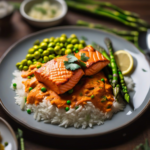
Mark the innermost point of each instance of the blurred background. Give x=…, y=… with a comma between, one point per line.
x=128, y=19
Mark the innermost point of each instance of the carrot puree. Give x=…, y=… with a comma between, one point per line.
x=88, y=89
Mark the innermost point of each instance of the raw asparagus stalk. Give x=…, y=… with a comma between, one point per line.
x=107, y=4
x=93, y=10
x=99, y=26
x=113, y=62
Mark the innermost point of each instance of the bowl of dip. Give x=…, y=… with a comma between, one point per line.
x=43, y=13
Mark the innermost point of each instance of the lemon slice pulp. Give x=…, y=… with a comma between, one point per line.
x=124, y=61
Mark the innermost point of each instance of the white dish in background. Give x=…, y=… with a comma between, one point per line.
x=8, y=135
x=27, y=4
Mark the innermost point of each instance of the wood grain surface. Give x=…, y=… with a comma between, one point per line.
x=123, y=139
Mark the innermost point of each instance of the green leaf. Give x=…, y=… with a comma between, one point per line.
x=71, y=66
x=84, y=57
x=143, y=146
x=82, y=64
x=144, y=70
x=40, y=9
x=71, y=58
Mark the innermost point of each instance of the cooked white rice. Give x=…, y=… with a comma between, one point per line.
x=82, y=117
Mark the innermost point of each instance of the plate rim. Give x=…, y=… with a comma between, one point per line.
x=62, y=135
x=11, y=130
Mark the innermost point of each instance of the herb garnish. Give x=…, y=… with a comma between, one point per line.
x=104, y=99
x=109, y=106
x=81, y=94
x=53, y=11
x=144, y=70
x=143, y=146
x=82, y=64
x=84, y=57
x=70, y=63
x=42, y=10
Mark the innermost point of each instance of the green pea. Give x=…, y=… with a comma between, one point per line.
x=40, y=60
x=43, y=89
x=58, y=56
x=14, y=85
x=102, y=80
x=64, y=35
x=37, y=55
x=24, y=62
x=29, y=77
x=76, y=45
x=73, y=36
x=20, y=67
x=28, y=111
x=68, y=51
x=34, y=60
x=68, y=102
x=57, y=44
x=51, y=39
x=37, y=42
x=46, y=59
x=29, y=62
x=35, y=47
x=69, y=40
x=63, y=51
x=57, y=50
x=70, y=46
x=65, y=44
x=75, y=49
x=61, y=45
x=67, y=108
x=29, y=56
x=46, y=53
x=40, y=50
x=51, y=50
x=56, y=40
x=31, y=51
x=74, y=41
x=82, y=42
x=46, y=40
x=18, y=64
x=92, y=96
x=62, y=39
x=80, y=46
x=52, y=44
x=51, y=57
x=25, y=68
x=43, y=45
x=38, y=66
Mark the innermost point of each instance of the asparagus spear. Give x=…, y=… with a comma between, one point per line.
x=20, y=137
x=107, y=4
x=113, y=30
x=123, y=86
x=113, y=62
x=93, y=10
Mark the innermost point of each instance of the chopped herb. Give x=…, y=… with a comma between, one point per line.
x=76, y=107
x=76, y=51
x=92, y=96
x=71, y=66
x=72, y=58
x=29, y=77
x=82, y=64
x=84, y=38
x=53, y=11
x=98, y=81
x=84, y=57
x=144, y=70
x=40, y=9
x=109, y=106
x=104, y=99
x=90, y=76
x=95, y=45
x=5, y=144
x=100, y=87
x=32, y=75
x=70, y=91
x=25, y=99
x=81, y=94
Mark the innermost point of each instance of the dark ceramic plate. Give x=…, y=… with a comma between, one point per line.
x=140, y=98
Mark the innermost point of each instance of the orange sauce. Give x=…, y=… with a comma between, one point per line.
x=88, y=89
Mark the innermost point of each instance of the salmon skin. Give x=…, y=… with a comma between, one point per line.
x=96, y=61
x=57, y=77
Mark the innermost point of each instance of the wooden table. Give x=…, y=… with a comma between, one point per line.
x=123, y=139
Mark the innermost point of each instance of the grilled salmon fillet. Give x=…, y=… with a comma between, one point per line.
x=57, y=77
x=96, y=60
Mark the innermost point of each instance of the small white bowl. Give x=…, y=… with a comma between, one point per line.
x=27, y=4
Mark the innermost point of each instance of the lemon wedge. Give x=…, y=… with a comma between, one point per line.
x=124, y=61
